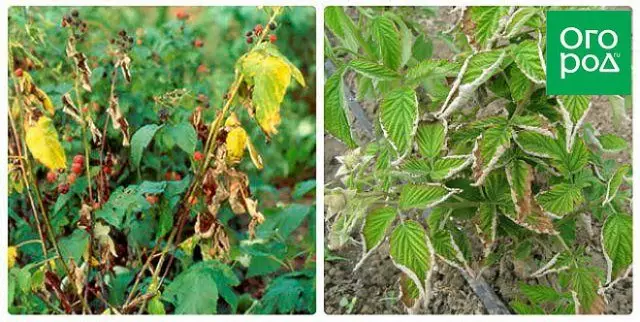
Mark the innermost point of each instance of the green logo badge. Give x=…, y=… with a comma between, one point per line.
x=588, y=52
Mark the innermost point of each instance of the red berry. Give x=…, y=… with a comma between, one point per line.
x=76, y=168
x=177, y=176
x=182, y=15
x=18, y=72
x=52, y=177
x=63, y=188
x=107, y=170
x=249, y=40
x=198, y=43
x=193, y=200
x=68, y=138
x=273, y=38
x=198, y=156
x=152, y=199
x=96, y=205
x=71, y=178
x=202, y=69
x=258, y=29
x=79, y=158
x=168, y=175
x=85, y=110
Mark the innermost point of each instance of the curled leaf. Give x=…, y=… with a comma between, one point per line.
x=119, y=122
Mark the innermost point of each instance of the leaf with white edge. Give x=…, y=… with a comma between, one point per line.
x=411, y=253
x=558, y=263
x=387, y=36
x=488, y=149
x=406, y=37
x=584, y=283
x=424, y=196
x=486, y=223
x=528, y=212
x=538, y=145
x=42, y=141
x=431, y=138
x=399, y=119
x=140, y=140
x=475, y=71
x=574, y=110
x=617, y=244
x=432, y=68
x=614, y=183
x=527, y=56
x=519, y=19
x=416, y=167
x=611, y=143
x=481, y=24
x=534, y=123
x=373, y=70
x=560, y=200
x=444, y=168
x=519, y=84
x=336, y=121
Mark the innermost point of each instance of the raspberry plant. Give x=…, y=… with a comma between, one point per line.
x=469, y=163
x=135, y=162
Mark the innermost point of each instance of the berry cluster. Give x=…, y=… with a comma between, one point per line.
x=257, y=32
x=123, y=41
x=77, y=25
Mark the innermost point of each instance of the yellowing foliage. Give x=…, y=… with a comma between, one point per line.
x=236, y=143
x=12, y=255
x=42, y=141
x=270, y=74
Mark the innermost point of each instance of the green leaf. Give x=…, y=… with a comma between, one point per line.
x=527, y=56
x=196, y=290
x=482, y=23
x=482, y=66
x=422, y=48
x=584, y=281
x=373, y=70
x=376, y=225
x=399, y=118
x=431, y=138
x=336, y=121
x=488, y=149
x=303, y=188
x=617, y=244
x=410, y=253
x=185, y=136
x=519, y=19
x=424, y=196
x=539, y=294
x=519, y=84
x=538, y=144
x=486, y=222
x=611, y=143
x=560, y=200
x=432, y=69
x=615, y=182
x=290, y=293
x=528, y=212
x=74, y=245
x=155, y=306
x=342, y=26
x=386, y=35
x=444, y=168
x=140, y=140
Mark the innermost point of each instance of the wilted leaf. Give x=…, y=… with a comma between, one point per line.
x=42, y=141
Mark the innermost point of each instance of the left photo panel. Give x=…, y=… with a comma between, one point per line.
x=161, y=160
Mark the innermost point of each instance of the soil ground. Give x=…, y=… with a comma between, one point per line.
x=373, y=289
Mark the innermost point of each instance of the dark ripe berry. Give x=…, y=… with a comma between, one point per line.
x=18, y=72
x=249, y=33
x=273, y=38
x=79, y=158
x=52, y=177
x=198, y=156
x=122, y=33
x=71, y=178
x=63, y=188
x=75, y=13
x=130, y=40
x=198, y=43
x=76, y=168
x=68, y=19
x=163, y=114
x=64, y=23
x=249, y=40
x=106, y=170
x=272, y=26
x=113, y=41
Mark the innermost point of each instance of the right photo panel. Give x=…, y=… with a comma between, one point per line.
x=477, y=160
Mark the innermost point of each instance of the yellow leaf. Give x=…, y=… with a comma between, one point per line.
x=270, y=74
x=13, y=255
x=236, y=143
x=255, y=156
x=45, y=100
x=42, y=141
